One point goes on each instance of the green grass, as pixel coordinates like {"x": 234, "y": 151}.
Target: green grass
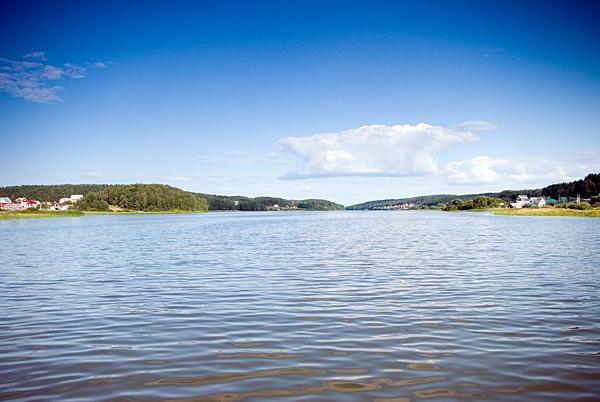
{"x": 133, "y": 211}
{"x": 545, "y": 212}
{"x": 36, "y": 213}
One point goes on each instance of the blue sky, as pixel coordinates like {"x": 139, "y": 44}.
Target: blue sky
{"x": 348, "y": 101}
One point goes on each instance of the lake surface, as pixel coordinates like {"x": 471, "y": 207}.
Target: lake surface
{"x": 342, "y": 306}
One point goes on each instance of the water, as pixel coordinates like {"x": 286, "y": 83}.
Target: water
{"x": 344, "y": 306}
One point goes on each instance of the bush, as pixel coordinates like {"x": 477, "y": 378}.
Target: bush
{"x": 583, "y": 205}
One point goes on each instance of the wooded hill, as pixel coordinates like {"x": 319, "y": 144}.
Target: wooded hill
{"x": 241, "y": 203}
{"x": 586, "y": 188}
{"x": 49, "y": 192}
{"x": 143, "y": 197}
{"x": 157, "y": 197}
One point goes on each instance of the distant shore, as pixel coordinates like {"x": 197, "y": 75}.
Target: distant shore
{"x": 36, "y": 213}
{"x": 589, "y": 213}
{"x": 28, "y": 214}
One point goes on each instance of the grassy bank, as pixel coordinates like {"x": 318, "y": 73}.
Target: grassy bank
{"x": 133, "y": 211}
{"x": 35, "y": 213}
{"x": 545, "y": 212}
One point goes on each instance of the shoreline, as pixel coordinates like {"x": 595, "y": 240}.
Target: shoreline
{"x": 580, "y": 213}
{"x": 10, "y": 215}
{"x": 28, "y": 214}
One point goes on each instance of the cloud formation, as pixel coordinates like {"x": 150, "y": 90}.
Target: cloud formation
{"x": 36, "y": 81}
{"x": 373, "y": 150}
{"x": 487, "y": 170}
{"x": 477, "y": 125}
{"x": 93, "y": 175}
{"x": 35, "y": 55}
{"x": 304, "y": 189}
{"x": 177, "y": 178}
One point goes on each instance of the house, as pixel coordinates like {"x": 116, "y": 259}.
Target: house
{"x": 4, "y": 201}
{"x": 66, "y": 201}
{"x": 537, "y": 202}
{"x": 522, "y": 201}
{"x": 551, "y": 201}
{"x": 19, "y": 204}
{"x": 57, "y": 206}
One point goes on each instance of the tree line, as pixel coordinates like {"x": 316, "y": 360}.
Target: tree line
{"x": 241, "y": 203}
{"x": 49, "y": 192}
{"x": 480, "y": 202}
{"x": 143, "y": 197}
{"x": 587, "y": 188}
{"x": 157, "y": 197}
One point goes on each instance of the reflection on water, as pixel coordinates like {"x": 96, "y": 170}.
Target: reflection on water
{"x": 350, "y": 306}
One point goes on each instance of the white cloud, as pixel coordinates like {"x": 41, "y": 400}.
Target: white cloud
{"x": 36, "y": 81}
{"x": 481, "y": 169}
{"x": 177, "y": 178}
{"x": 486, "y": 170}
{"x": 235, "y": 157}
{"x": 35, "y": 55}
{"x": 93, "y": 175}
{"x": 477, "y": 125}
{"x": 304, "y": 189}
{"x": 374, "y": 150}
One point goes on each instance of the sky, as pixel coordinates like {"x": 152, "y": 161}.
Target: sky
{"x": 348, "y": 101}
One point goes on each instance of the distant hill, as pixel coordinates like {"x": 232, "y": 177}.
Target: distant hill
{"x": 586, "y": 188}
{"x": 49, "y": 192}
{"x": 242, "y": 203}
{"x": 431, "y": 200}
{"x": 158, "y": 197}
{"x": 143, "y": 197}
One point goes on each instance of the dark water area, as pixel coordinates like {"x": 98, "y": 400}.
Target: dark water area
{"x": 344, "y": 306}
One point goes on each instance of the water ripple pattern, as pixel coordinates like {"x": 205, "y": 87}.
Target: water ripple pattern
{"x": 344, "y": 306}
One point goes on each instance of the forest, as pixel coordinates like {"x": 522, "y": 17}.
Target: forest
{"x": 143, "y": 197}
{"x": 241, "y": 203}
{"x": 49, "y": 192}
{"x": 158, "y": 197}
{"x": 589, "y": 187}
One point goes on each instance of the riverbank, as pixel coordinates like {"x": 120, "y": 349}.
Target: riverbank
{"x": 35, "y": 213}
{"x": 590, "y": 213}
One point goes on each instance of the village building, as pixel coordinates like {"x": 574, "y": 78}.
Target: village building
{"x": 537, "y": 202}
{"x": 65, "y": 203}
{"x": 19, "y": 204}
{"x": 522, "y": 200}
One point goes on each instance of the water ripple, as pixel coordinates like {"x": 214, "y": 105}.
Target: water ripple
{"x": 300, "y": 307}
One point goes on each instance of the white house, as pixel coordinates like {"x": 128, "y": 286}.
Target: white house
{"x": 70, "y": 200}
{"x": 537, "y": 201}
{"x": 522, "y": 200}
{"x": 57, "y": 206}
{"x": 4, "y": 201}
